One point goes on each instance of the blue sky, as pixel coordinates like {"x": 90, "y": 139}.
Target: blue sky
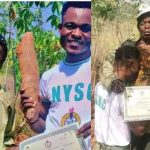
{"x": 46, "y": 12}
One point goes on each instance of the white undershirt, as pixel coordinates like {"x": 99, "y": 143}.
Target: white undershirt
{"x": 110, "y": 127}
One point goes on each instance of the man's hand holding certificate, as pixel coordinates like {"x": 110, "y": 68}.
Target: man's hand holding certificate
{"x": 137, "y": 103}
{"x": 62, "y": 139}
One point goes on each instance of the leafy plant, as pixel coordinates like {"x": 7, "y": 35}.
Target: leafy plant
{"x": 16, "y": 18}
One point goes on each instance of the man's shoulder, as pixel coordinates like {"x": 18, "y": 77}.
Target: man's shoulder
{"x": 51, "y": 71}
{"x": 129, "y": 42}
{"x": 99, "y": 86}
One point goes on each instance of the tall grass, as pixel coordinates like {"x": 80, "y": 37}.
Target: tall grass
{"x": 107, "y": 40}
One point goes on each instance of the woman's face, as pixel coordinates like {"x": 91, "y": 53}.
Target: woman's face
{"x": 132, "y": 69}
{"x": 144, "y": 28}
{"x": 128, "y": 71}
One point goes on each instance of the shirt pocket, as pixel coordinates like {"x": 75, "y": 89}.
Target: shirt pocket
{"x": 3, "y": 116}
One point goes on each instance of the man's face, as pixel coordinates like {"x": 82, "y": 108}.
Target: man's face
{"x": 75, "y": 30}
{"x": 144, "y": 28}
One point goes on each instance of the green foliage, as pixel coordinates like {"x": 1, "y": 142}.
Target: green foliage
{"x": 56, "y": 8}
{"x": 104, "y": 9}
{"x": 48, "y": 49}
{"x": 17, "y": 18}
{"x": 114, "y": 10}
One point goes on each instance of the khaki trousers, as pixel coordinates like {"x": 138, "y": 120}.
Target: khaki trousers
{"x": 101, "y": 146}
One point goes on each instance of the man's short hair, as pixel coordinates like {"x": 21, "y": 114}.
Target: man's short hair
{"x": 78, "y": 4}
{"x": 124, "y": 53}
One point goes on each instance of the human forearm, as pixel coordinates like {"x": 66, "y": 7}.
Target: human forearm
{"x": 39, "y": 113}
{"x": 38, "y": 125}
{"x": 85, "y": 130}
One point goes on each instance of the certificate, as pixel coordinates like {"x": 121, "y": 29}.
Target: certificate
{"x": 62, "y": 139}
{"x": 137, "y": 103}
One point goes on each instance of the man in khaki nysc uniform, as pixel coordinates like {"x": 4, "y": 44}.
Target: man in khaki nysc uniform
{"x": 7, "y": 110}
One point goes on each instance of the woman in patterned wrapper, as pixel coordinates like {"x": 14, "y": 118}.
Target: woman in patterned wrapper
{"x": 143, "y": 79}
{"x": 143, "y": 44}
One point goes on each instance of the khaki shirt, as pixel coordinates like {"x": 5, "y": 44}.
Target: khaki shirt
{"x": 106, "y": 72}
{"x": 7, "y": 114}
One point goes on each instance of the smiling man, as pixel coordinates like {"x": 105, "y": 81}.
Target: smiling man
{"x": 67, "y": 86}
{"x": 75, "y": 30}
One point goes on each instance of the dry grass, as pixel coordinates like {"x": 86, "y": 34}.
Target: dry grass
{"x": 109, "y": 38}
